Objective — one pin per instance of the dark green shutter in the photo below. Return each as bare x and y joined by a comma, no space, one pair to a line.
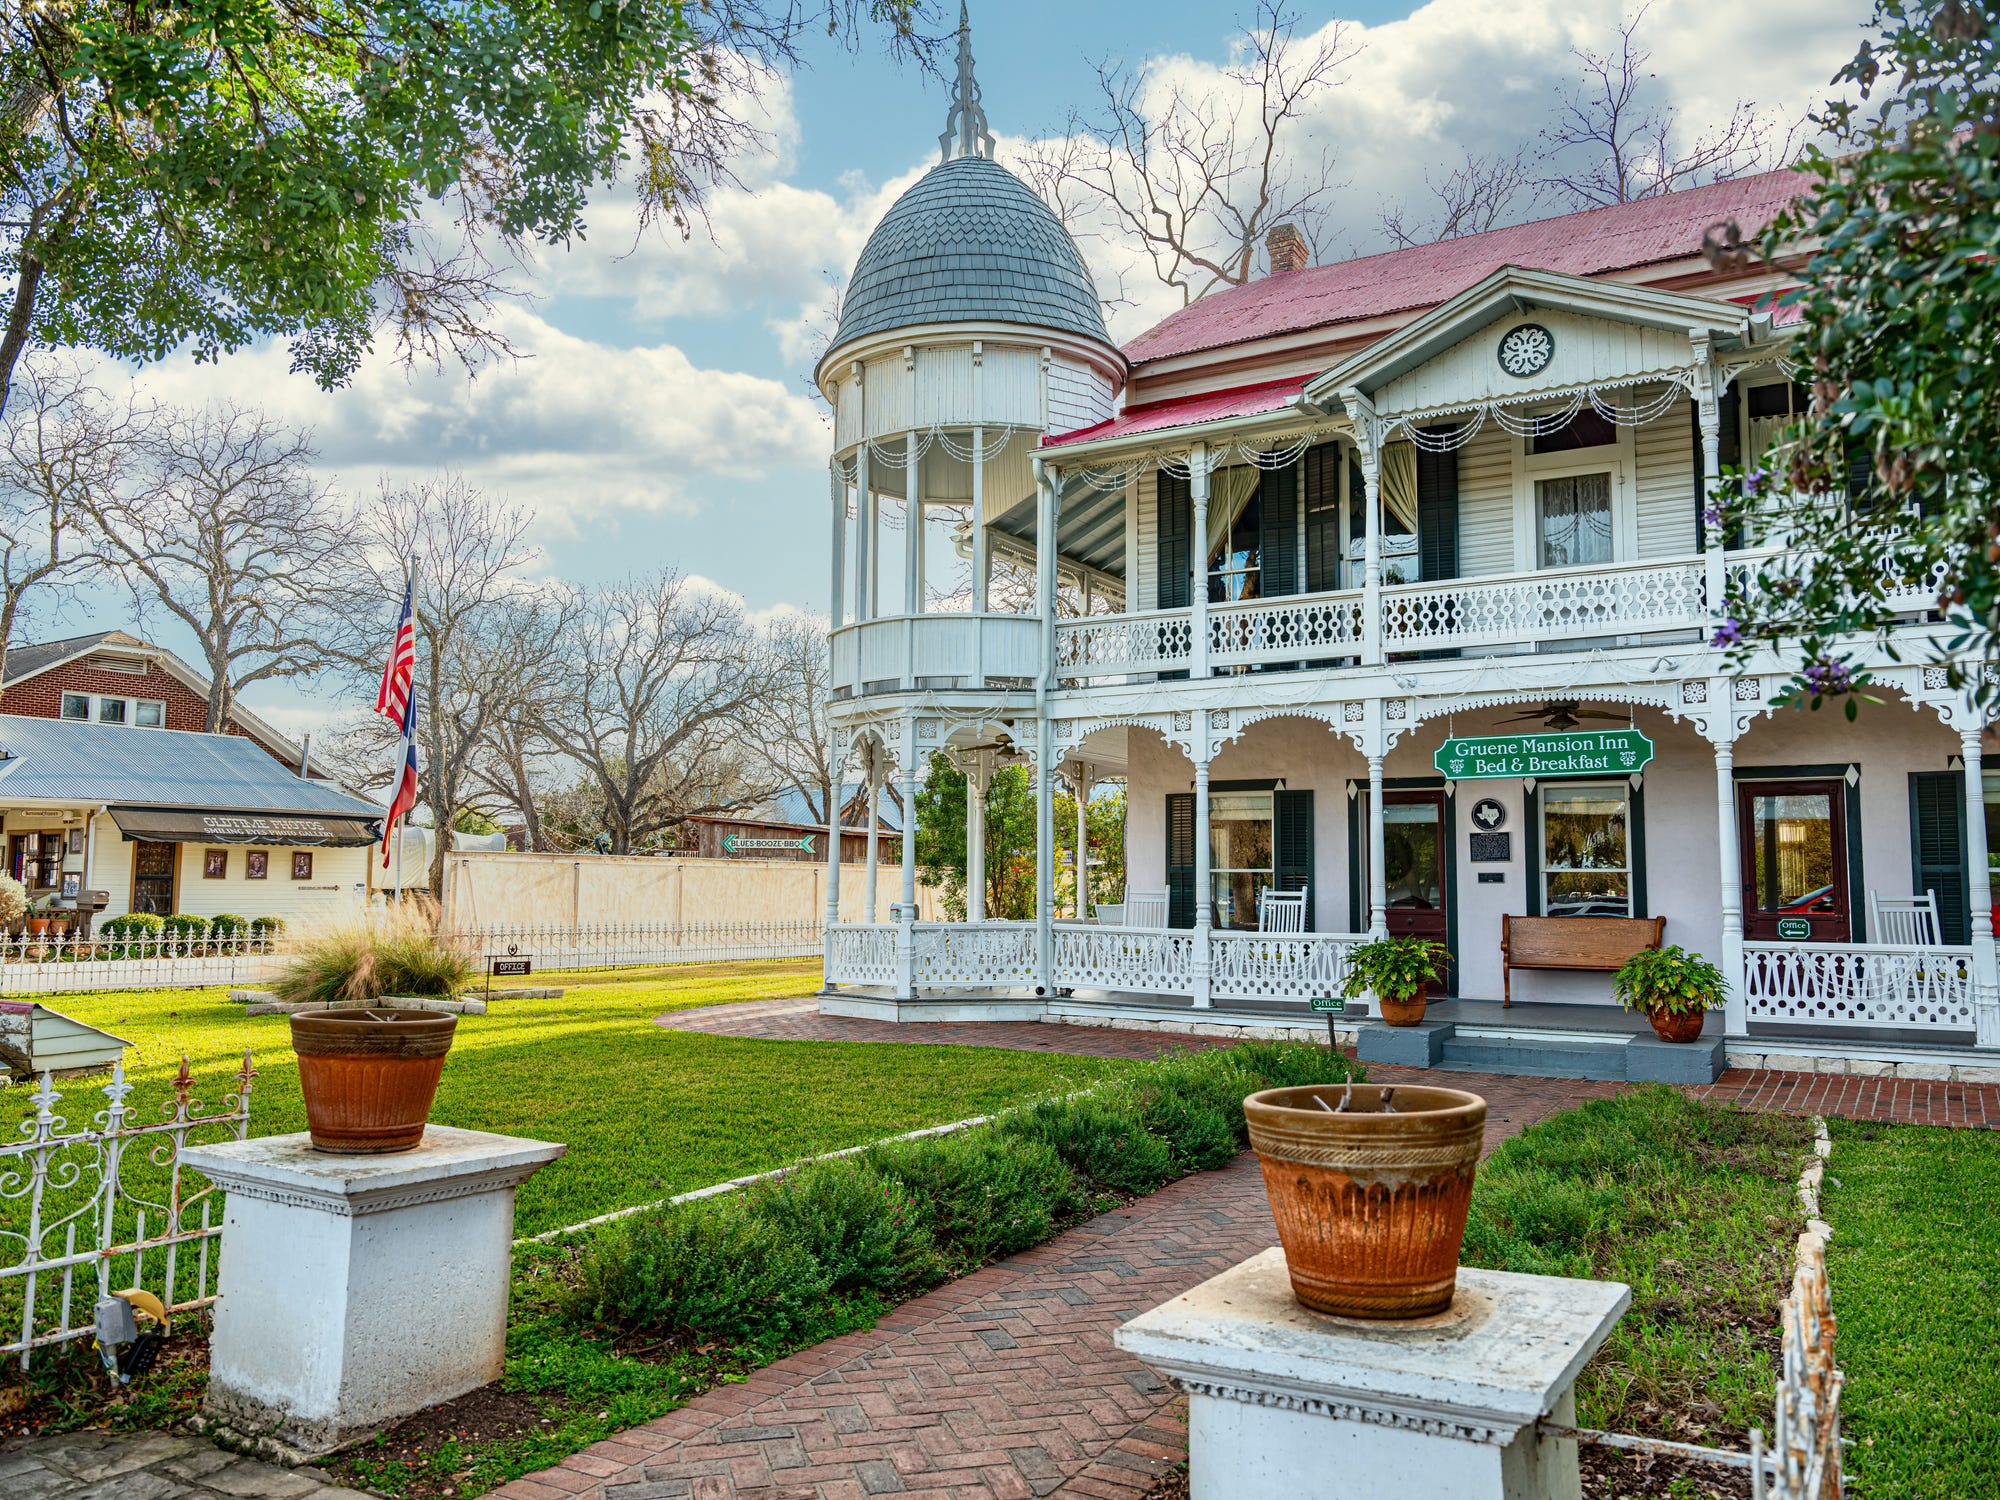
1357,503
1937,848
1437,515
1278,544
1180,859
1176,549
1292,835
1322,501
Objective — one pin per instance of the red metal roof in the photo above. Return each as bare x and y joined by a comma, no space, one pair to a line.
1590,243
1210,406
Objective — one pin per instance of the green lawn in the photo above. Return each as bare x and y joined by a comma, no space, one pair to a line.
646,1112
1915,1268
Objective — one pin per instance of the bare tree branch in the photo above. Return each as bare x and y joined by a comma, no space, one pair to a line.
1484,191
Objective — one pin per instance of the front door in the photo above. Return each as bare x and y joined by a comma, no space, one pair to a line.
1413,846
153,877
1794,836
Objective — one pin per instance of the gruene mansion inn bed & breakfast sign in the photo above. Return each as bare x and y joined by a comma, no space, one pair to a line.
1586,752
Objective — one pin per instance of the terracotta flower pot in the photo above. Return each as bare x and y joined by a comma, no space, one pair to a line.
38,925
1370,1202
1684,1027
369,1076
1402,1012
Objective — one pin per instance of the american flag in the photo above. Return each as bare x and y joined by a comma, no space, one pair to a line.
405,797
394,698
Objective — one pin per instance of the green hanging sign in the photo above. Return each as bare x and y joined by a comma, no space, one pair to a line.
1577,752
736,843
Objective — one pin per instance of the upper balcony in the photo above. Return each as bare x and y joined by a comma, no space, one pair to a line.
936,652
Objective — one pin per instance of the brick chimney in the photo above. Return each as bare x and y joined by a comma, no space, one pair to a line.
1287,248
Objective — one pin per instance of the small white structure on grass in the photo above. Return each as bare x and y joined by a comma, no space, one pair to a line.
36,1040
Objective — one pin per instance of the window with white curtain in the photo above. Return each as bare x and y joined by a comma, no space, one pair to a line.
1573,520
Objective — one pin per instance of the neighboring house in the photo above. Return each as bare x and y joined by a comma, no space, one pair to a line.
177,822
783,828
1388,567
109,677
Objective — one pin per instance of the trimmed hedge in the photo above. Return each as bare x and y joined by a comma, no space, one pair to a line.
791,1259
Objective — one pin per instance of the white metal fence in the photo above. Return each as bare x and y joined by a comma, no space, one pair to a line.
562,945
86,1213
51,964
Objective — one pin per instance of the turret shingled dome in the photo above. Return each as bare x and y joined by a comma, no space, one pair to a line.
969,243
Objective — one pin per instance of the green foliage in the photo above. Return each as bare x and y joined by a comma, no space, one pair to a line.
1393,968
132,924
267,927
471,820
186,926
863,1229
396,953
1010,841
984,1194
1914,1261
1670,981
1100,1136
1889,476
1689,1204
227,925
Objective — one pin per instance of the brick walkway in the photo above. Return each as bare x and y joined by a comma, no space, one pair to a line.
1005,1384
149,1466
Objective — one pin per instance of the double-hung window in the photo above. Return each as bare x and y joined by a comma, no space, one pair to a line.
1573,520
1586,849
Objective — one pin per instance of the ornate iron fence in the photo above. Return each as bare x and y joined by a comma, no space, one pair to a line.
111,1203
614,945
62,963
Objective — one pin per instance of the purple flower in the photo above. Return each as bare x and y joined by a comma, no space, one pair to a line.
1713,517
1728,633
1751,481
1829,678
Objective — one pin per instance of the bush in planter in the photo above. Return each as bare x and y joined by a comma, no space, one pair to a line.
397,952
1395,970
1669,984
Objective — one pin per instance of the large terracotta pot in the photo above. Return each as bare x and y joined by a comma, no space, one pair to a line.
369,1076
1401,1012
1370,1202
1684,1027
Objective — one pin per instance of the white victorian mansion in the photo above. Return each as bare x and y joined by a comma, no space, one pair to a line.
1385,588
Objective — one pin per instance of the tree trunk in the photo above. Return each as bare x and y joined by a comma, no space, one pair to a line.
20,318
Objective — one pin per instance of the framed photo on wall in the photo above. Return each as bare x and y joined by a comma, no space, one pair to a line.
302,864
215,864
76,841
72,885
257,865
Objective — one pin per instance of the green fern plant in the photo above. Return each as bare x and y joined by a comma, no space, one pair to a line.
1669,981
1393,968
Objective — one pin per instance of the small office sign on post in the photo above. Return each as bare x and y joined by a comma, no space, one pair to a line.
1579,752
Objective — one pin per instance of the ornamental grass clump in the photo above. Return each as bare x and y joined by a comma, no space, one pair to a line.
384,954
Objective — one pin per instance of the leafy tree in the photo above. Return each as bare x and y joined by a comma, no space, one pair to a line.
1888,477
219,171
1010,841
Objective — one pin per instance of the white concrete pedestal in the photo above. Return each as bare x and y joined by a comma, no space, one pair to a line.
354,1290
1286,1402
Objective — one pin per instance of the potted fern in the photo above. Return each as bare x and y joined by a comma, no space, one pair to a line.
1396,971
1675,988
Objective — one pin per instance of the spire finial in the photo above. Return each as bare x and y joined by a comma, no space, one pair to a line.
966,121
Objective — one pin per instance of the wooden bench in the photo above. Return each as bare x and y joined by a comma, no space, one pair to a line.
1596,943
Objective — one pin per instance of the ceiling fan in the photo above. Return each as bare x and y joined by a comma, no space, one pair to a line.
1563,715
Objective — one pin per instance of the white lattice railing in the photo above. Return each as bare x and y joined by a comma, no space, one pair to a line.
1898,589
1147,961
1633,599
1273,966
862,953
1300,628
974,955
1112,645
1854,984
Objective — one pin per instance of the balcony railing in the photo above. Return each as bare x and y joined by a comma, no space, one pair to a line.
1553,604
914,651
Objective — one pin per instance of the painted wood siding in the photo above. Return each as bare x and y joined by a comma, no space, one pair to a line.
1664,493
1587,350
1141,594
1486,504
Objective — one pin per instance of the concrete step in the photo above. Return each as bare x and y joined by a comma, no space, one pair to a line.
1535,1057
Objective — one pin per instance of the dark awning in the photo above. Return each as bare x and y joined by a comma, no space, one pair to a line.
174,827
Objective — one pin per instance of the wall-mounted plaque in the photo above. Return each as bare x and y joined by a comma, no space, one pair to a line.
1492,848
1492,877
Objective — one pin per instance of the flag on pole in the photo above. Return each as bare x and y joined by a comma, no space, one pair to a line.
405,796
401,668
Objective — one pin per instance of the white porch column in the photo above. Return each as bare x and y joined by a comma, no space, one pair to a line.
1204,879
977,777
1048,483
982,563
836,595
1378,853
1736,1012
1198,557
835,767
1045,859
865,516
1979,892
1368,448
1709,397
872,910
906,911
913,555
1082,841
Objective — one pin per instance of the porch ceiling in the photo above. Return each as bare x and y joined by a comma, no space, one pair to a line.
1091,529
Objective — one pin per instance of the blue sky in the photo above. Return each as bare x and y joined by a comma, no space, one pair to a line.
661,415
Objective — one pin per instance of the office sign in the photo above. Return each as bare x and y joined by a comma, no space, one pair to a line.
1578,752
1332,1004
512,968
1794,929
